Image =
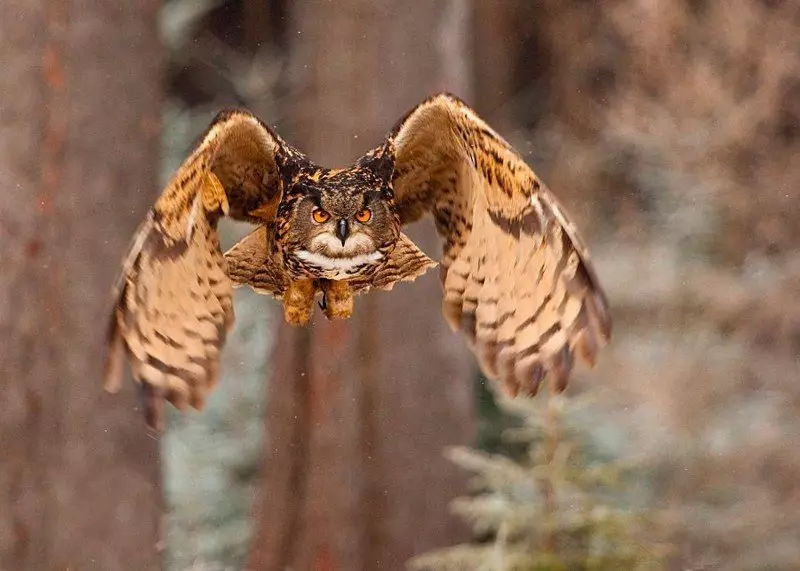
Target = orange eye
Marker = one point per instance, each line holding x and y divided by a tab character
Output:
364	216
320	216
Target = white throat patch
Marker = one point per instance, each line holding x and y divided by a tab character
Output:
338	267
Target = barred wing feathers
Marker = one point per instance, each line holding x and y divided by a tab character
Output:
173	299
517	278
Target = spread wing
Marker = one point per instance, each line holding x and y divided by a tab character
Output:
517	278
172	301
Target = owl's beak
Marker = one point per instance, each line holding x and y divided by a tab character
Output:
342	230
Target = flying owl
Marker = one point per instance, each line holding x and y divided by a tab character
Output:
516	276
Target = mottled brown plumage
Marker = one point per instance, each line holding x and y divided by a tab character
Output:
516	276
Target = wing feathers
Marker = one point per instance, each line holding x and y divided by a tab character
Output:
173	301
517	279
487	309
252	261
173	314
455	284
406	262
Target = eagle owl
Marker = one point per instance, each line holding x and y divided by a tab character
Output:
516	276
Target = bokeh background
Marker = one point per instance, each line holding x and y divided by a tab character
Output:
670	129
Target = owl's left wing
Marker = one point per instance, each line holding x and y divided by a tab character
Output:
517	278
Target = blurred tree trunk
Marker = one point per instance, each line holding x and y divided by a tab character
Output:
359	412
498	30
79	124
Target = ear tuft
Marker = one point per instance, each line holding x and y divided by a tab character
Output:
380	161
288	166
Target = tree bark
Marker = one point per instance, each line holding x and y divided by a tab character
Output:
498	38
79	124
359	412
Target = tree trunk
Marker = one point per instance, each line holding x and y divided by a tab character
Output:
498	41
79	144
359	412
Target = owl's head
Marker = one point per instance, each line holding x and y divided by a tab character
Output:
336	215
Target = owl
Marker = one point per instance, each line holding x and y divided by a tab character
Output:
516	276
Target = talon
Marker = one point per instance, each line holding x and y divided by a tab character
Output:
323	305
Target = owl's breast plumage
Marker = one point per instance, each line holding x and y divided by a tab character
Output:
302	263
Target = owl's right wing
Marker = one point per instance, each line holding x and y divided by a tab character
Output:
172	300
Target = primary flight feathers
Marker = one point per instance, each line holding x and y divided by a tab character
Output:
516	276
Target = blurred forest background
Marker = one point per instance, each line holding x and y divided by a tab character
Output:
670	129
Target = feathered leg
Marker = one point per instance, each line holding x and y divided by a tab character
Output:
338	300
298	301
